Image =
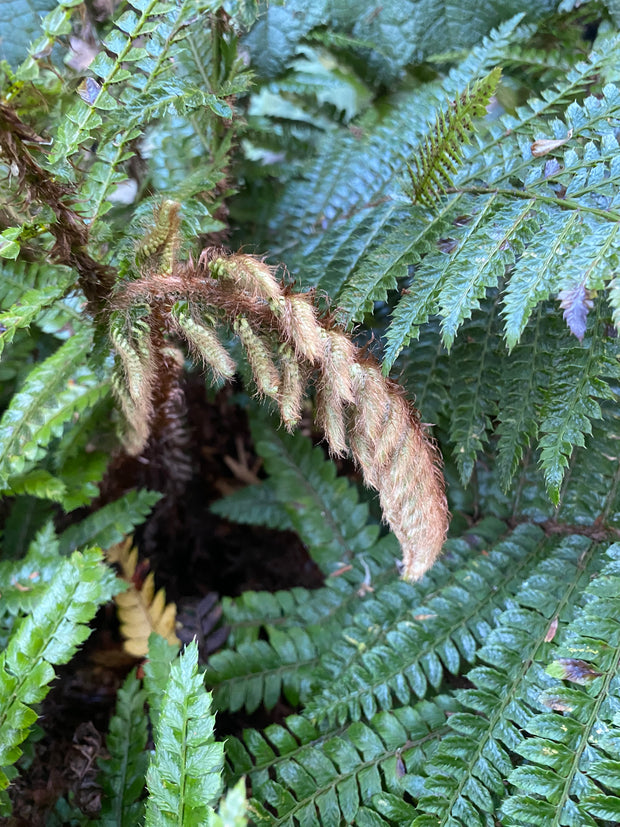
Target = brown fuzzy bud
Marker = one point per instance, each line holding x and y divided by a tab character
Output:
291	393
300	327
162	242
356	405
133	383
204	344
259	356
403	465
251	275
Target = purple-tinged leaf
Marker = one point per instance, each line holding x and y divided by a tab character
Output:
576	303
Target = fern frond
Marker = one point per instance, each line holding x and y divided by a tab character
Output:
465	778
141	610
88	114
323	509
591	487
440	155
256	504
247	614
403	247
550	236
38	483
259	672
425	374
157	672
183	777
474	401
421	299
572	747
122	774
52	393
158	88
111	523
402	642
521	382
578	377
29	308
49	635
320	219
23	581
309	776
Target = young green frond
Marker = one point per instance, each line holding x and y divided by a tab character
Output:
441	154
48	636
183	777
53	392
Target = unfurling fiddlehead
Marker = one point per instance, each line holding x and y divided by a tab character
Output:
286	344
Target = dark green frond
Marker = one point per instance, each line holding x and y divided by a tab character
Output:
309	776
255	504
324	509
403	639
110	523
122	774
260	671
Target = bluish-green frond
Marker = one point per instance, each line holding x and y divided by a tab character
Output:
578	376
572	743
404	637
465	777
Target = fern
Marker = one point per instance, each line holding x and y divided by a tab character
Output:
122	774
141	610
410	641
110	523
50	395
49	635
343	196
571	405
572	748
441	154
323	508
454	229
353	765
255	504
183	777
464	779
541	267
156	673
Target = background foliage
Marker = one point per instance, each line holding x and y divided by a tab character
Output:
465	227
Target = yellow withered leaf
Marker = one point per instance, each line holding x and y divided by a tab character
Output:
140	610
